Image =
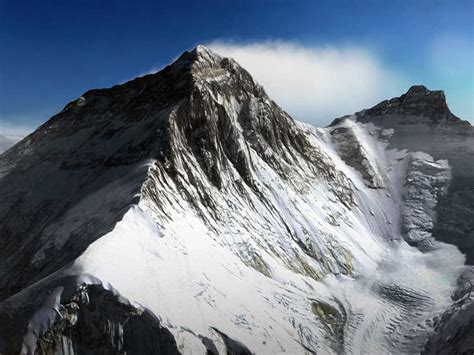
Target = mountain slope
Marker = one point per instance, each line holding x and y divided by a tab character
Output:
194	196
422	121
6	142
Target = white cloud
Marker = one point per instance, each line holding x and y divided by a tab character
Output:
316	84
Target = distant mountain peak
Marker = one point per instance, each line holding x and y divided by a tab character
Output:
417	101
417	89
421	95
418	106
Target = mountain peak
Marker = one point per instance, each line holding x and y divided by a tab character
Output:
193	181
420	94
202	49
417	105
200	55
417	89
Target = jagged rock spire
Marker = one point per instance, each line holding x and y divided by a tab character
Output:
418	105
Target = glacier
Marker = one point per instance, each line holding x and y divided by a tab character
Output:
191	203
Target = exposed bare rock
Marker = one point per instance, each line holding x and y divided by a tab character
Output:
426	183
185	211
96	321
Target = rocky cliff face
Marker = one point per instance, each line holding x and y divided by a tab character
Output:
229	227
95	321
197	118
423	122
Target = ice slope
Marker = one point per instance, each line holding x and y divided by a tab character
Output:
191	194
196	279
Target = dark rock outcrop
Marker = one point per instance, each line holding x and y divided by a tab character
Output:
233	347
88	319
96	321
454	329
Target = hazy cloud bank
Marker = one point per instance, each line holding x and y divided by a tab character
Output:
316	84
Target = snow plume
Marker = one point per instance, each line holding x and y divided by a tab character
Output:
315	84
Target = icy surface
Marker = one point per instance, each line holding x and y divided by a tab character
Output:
205	203
395	288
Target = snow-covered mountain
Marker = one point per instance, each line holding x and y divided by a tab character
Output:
185	212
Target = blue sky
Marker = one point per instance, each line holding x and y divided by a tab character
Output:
53	51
